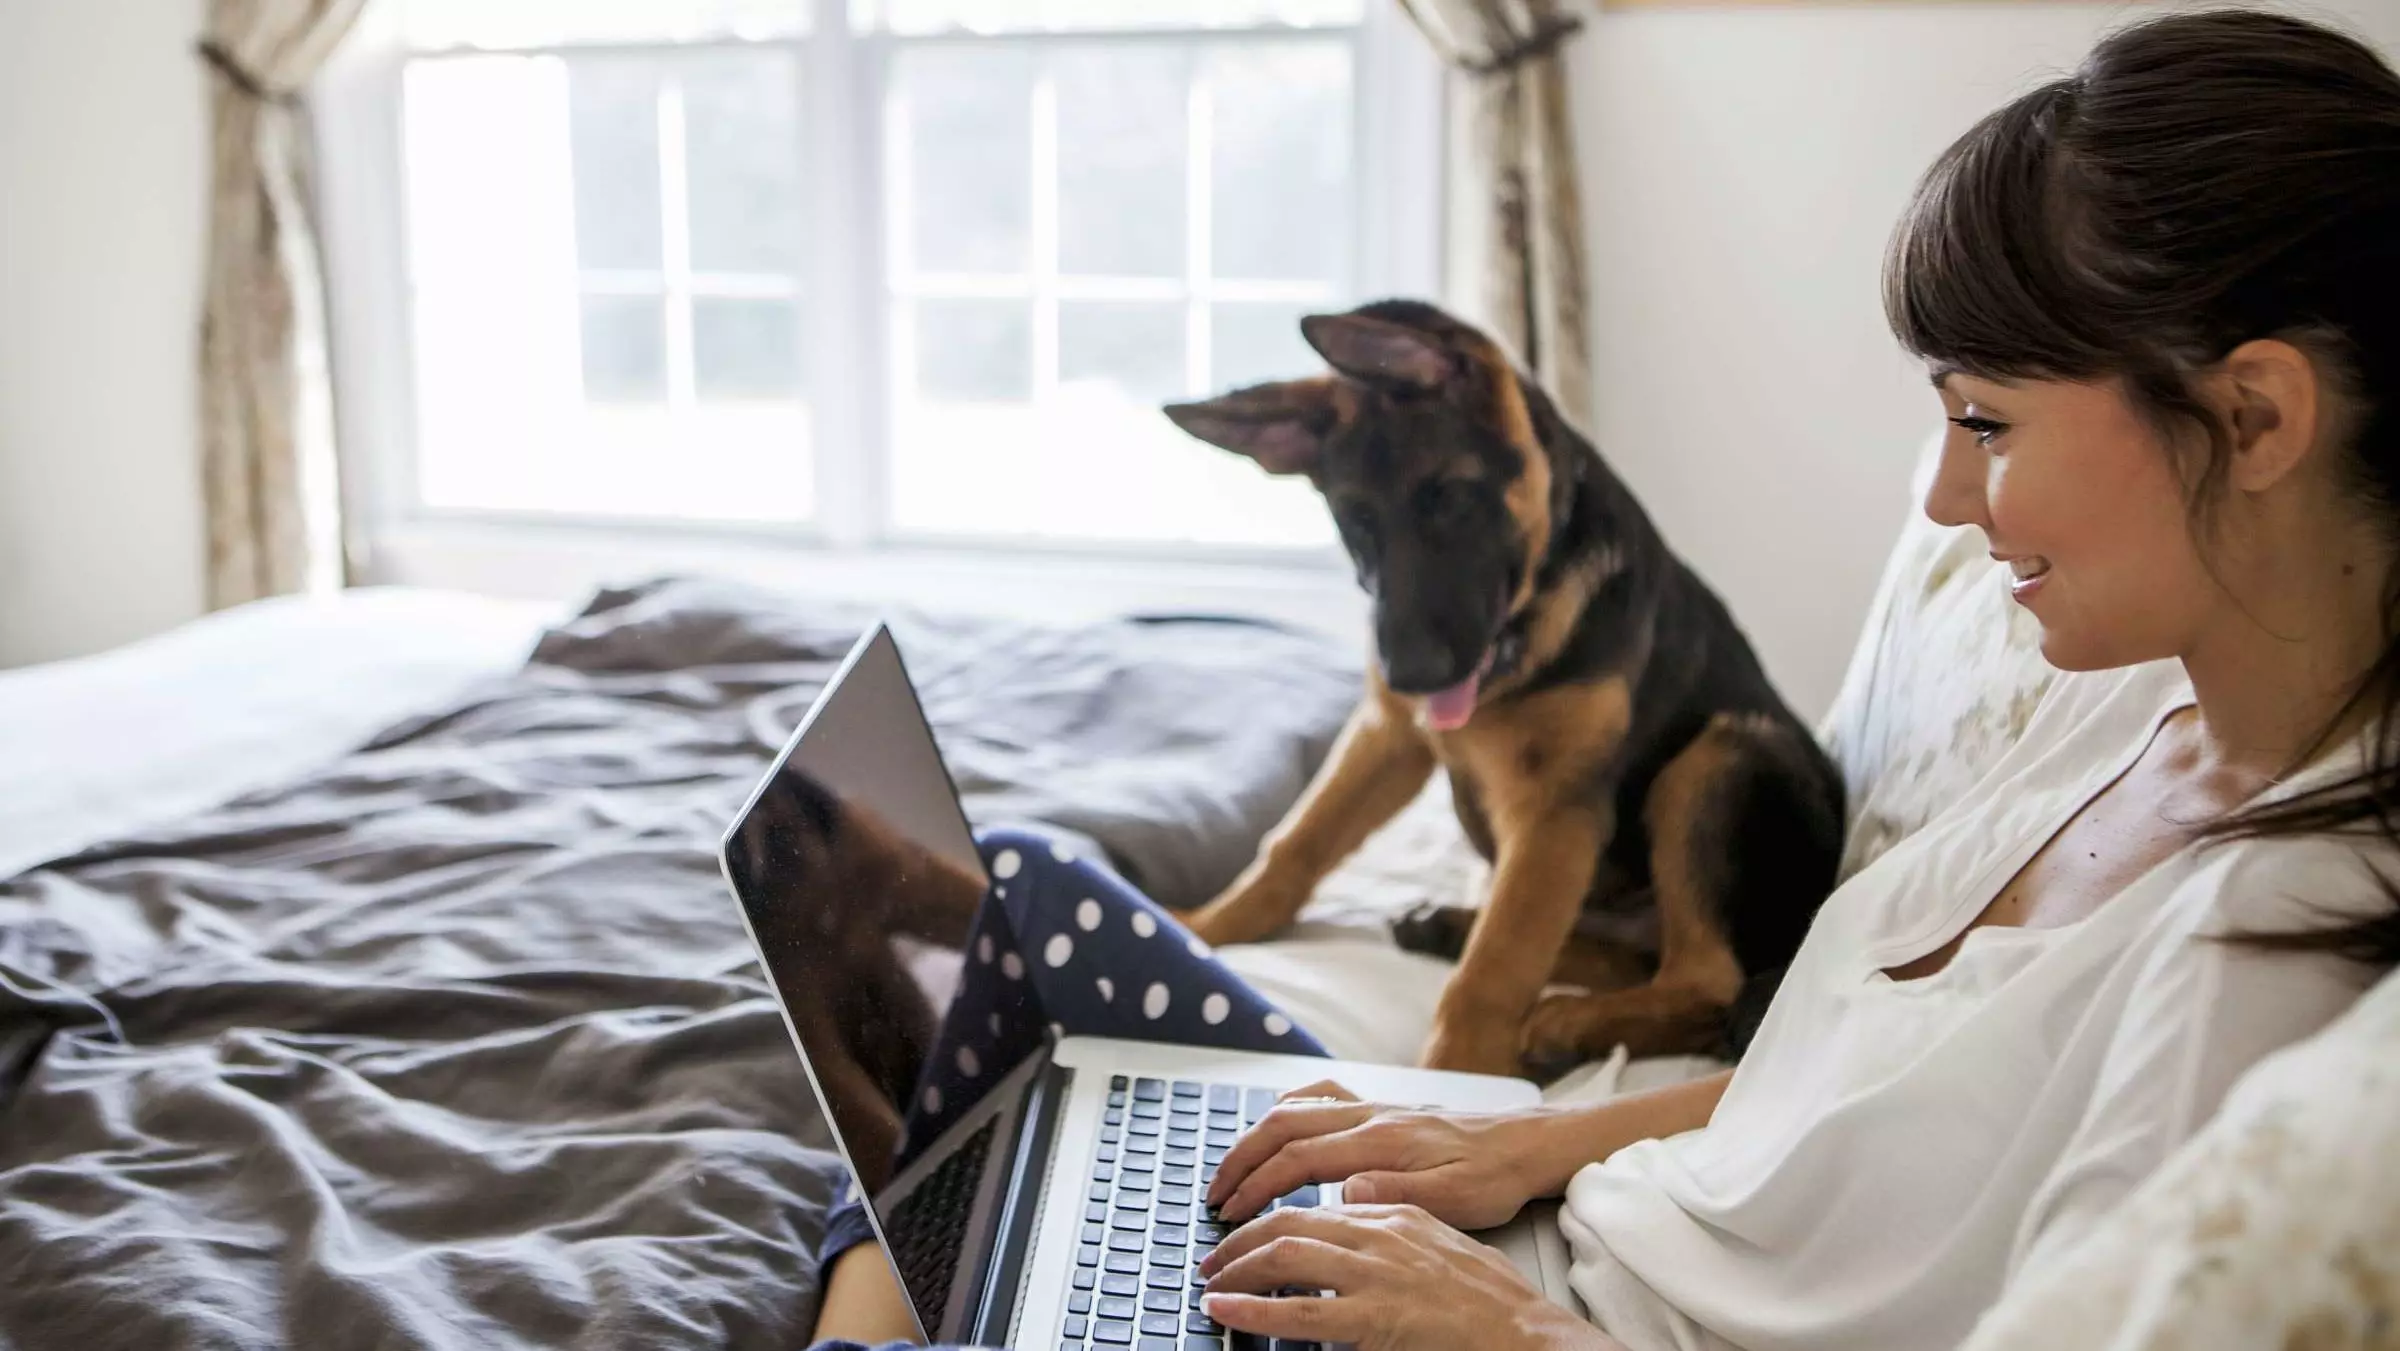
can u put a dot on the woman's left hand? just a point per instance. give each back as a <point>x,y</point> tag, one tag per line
<point>1400,1279</point>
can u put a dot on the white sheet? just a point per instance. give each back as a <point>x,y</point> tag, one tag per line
<point>102,745</point>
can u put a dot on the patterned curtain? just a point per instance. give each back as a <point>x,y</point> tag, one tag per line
<point>1519,176</point>
<point>263,370</point>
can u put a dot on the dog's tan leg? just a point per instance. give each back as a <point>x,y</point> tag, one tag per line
<point>1538,887</point>
<point>1682,1009</point>
<point>1541,765</point>
<point>1378,766</point>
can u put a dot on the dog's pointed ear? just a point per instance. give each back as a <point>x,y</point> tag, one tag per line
<point>1380,351</point>
<point>1282,425</point>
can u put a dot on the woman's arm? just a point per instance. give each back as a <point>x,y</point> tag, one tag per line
<point>1560,1141</point>
<point>1470,1169</point>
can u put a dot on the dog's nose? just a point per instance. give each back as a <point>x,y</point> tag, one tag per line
<point>1422,668</point>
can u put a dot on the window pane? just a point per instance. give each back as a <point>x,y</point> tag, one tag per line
<point>537,23</point>
<point>490,193</point>
<point>536,392</point>
<point>1087,466</point>
<point>1007,16</point>
<point>1250,343</point>
<point>974,351</point>
<point>741,113</point>
<point>1135,348</point>
<point>746,349</point>
<point>966,118</point>
<point>612,116</point>
<point>624,349</point>
<point>1281,175</point>
<point>1091,459</point>
<point>1121,155</point>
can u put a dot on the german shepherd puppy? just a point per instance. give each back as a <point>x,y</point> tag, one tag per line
<point>1612,743</point>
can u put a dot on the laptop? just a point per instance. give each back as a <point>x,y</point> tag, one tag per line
<point>1053,1197</point>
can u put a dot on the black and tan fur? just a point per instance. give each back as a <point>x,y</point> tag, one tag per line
<point>1661,827</point>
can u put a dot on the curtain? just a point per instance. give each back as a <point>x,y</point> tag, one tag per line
<point>264,392</point>
<point>1514,200</point>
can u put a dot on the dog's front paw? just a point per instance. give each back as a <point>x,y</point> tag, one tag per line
<point>1245,915</point>
<point>1558,1034</point>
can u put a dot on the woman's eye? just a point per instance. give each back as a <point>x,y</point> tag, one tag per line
<point>1983,429</point>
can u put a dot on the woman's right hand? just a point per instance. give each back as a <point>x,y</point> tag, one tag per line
<point>1467,1169</point>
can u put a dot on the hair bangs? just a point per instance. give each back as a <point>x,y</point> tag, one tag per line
<point>1979,277</point>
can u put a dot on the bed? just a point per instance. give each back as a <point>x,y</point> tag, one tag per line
<point>372,982</point>
<point>440,1032</point>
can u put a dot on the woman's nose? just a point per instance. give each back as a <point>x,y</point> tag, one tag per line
<point>1956,496</point>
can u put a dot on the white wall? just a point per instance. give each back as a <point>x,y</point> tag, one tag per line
<point>103,174</point>
<point>1742,168</point>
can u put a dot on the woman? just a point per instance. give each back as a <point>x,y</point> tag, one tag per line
<point>2160,303</point>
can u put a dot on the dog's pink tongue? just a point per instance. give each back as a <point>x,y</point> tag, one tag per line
<point>1448,710</point>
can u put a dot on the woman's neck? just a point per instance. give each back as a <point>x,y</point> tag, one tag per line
<point>2285,655</point>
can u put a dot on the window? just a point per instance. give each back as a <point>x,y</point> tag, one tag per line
<point>873,273</point>
<point>607,283</point>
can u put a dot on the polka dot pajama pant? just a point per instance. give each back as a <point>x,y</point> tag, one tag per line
<point>1063,941</point>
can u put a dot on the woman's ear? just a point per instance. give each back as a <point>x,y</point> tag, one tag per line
<point>2271,397</point>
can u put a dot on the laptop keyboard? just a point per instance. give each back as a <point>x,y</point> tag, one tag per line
<point>1146,1225</point>
<point>928,1229</point>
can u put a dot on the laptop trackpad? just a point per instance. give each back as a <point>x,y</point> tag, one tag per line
<point>1533,1244</point>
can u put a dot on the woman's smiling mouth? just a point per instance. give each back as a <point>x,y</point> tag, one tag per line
<point>2025,575</point>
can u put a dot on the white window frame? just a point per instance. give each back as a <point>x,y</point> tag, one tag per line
<point>850,545</point>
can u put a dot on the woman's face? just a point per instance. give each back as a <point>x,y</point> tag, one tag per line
<point>2081,498</point>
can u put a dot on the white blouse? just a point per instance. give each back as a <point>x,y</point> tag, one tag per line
<point>1890,1154</point>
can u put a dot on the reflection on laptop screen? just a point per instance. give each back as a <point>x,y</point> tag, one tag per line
<point>863,888</point>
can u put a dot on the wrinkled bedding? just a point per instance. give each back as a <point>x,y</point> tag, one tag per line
<point>457,1041</point>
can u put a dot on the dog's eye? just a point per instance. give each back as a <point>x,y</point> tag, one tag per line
<point>1356,522</point>
<point>1443,499</point>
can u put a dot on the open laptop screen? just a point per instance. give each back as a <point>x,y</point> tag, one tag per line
<point>861,883</point>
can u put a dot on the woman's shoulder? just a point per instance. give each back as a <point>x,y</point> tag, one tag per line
<point>2285,883</point>
<point>2272,883</point>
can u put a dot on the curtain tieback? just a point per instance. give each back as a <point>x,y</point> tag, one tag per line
<point>1541,42</point>
<point>240,76</point>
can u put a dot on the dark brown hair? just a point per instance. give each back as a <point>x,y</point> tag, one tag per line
<point>2202,180</point>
